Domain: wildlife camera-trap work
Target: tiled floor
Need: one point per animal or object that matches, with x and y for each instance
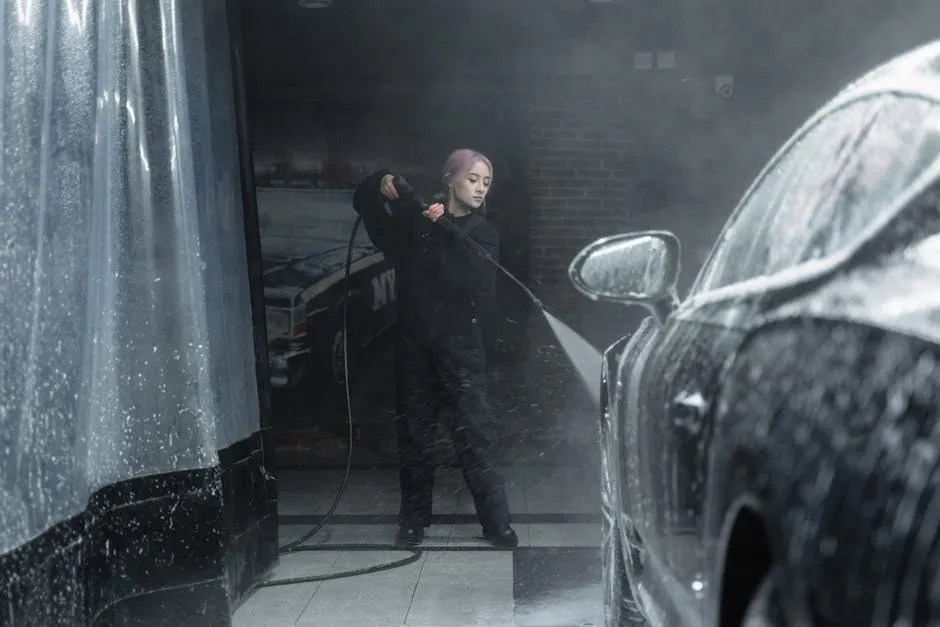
(551, 580)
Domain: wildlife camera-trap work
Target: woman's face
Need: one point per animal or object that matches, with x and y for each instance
(472, 187)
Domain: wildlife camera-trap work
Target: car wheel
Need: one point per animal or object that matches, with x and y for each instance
(765, 608)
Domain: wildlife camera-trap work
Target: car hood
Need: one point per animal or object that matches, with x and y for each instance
(291, 276)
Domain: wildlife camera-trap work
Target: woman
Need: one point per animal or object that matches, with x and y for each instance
(440, 358)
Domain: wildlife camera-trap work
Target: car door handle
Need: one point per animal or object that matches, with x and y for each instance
(689, 409)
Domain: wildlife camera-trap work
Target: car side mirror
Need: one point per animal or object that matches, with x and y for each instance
(639, 268)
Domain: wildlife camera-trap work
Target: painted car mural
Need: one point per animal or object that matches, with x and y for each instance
(304, 240)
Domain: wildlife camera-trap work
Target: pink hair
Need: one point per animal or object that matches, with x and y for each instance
(460, 161)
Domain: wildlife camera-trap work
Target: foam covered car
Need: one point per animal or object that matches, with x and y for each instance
(304, 241)
(771, 442)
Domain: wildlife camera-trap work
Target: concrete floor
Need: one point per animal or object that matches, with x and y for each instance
(552, 579)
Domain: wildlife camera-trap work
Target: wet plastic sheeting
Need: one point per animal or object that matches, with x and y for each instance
(125, 336)
(217, 174)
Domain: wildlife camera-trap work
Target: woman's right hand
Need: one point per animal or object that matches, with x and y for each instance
(387, 188)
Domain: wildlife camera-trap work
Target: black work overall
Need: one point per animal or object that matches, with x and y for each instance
(440, 356)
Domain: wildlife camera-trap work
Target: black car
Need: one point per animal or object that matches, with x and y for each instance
(304, 241)
(771, 443)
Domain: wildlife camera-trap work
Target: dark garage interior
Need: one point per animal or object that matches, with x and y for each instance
(552, 92)
(224, 433)
(586, 140)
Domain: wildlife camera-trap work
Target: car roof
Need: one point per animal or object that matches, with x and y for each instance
(916, 73)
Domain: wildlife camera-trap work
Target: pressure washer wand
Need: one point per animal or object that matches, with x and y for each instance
(407, 192)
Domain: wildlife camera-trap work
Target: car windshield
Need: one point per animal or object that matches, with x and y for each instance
(822, 193)
(892, 141)
(302, 223)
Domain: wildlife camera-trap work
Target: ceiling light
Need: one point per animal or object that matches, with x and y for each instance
(314, 4)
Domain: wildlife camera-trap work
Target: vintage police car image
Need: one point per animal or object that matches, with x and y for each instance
(305, 236)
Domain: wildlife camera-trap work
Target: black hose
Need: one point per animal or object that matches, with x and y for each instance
(411, 559)
(297, 545)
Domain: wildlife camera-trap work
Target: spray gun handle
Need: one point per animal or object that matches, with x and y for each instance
(407, 193)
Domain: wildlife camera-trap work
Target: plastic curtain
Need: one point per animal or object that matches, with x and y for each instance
(125, 322)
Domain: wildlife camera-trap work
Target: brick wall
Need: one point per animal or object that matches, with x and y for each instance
(580, 178)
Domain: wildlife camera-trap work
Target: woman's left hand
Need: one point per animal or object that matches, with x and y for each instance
(434, 212)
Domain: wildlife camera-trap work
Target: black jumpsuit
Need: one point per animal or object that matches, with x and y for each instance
(440, 356)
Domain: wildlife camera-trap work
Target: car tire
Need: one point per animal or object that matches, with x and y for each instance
(765, 608)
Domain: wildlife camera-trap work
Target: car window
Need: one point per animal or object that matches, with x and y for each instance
(308, 223)
(828, 187)
(896, 139)
(743, 251)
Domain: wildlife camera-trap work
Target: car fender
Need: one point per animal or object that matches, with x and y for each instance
(840, 462)
(624, 409)
(744, 473)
